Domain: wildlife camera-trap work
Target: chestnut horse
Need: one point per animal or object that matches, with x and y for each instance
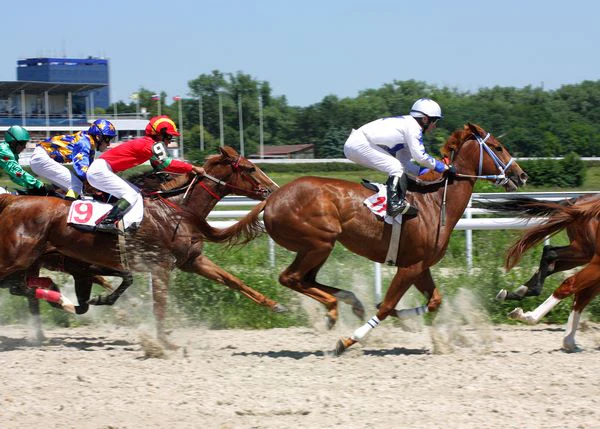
(34, 225)
(554, 259)
(308, 215)
(585, 285)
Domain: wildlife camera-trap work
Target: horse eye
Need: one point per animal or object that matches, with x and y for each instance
(498, 148)
(251, 169)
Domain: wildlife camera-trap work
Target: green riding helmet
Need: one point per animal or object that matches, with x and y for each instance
(16, 133)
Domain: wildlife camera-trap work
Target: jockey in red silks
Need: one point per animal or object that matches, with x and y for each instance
(153, 146)
(80, 148)
(390, 144)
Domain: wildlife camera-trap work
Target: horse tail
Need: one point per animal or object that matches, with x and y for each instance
(561, 217)
(242, 232)
(524, 206)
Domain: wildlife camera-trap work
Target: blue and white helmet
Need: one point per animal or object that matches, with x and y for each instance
(426, 107)
(102, 128)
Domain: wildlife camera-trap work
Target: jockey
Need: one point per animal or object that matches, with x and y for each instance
(15, 140)
(153, 146)
(389, 144)
(79, 148)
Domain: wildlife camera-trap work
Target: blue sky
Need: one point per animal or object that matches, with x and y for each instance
(309, 49)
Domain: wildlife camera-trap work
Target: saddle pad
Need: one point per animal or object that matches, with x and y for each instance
(87, 212)
(377, 203)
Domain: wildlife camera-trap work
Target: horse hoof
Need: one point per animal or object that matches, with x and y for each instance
(516, 314)
(574, 348)
(501, 295)
(339, 347)
(279, 308)
(521, 291)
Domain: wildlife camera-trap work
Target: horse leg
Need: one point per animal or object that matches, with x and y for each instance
(425, 284)
(587, 277)
(402, 280)
(554, 259)
(160, 286)
(580, 301)
(110, 299)
(205, 267)
(298, 277)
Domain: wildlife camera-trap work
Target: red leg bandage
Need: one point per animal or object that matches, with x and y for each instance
(48, 295)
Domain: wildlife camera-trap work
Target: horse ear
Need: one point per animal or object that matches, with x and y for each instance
(228, 152)
(475, 129)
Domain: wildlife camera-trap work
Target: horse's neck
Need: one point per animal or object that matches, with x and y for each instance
(457, 199)
(202, 198)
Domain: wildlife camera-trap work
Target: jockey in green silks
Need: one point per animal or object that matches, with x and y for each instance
(15, 139)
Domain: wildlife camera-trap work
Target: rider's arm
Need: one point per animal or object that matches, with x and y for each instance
(9, 163)
(162, 161)
(414, 140)
(81, 158)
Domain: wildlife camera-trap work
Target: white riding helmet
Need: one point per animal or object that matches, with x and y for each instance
(426, 107)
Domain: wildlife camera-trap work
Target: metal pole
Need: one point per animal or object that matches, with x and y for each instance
(70, 110)
(221, 136)
(201, 113)
(469, 240)
(23, 109)
(181, 127)
(260, 127)
(377, 282)
(137, 111)
(158, 105)
(92, 104)
(241, 124)
(115, 110)
(47, 111)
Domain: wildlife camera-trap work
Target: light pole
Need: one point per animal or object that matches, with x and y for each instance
(178, 99)
(241, 118)
(260, 127)
(221, 136)
(201, 113)
(136, 97)
(156, 97)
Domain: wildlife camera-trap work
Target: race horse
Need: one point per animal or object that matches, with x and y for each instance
(581, 221)
(554, 259)
(308, 216)
(33, 226)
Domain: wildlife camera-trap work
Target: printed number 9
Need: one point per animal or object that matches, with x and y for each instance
(83, 212)
(160, 151)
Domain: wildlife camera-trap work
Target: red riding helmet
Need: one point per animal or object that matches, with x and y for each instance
(161, 126)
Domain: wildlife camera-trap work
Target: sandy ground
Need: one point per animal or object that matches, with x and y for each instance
(408, 376)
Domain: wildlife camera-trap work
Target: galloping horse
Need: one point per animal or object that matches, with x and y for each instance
(310, 214)
(555, 259)
(33, 225)
(585, 285)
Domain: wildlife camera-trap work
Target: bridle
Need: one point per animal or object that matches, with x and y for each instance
(500, 178)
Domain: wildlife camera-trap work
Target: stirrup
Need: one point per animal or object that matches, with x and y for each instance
(110, 227)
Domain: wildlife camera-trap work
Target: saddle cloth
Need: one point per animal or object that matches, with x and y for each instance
(87, 212)
(377, 204)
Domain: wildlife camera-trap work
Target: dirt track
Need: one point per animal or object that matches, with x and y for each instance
(485, 377)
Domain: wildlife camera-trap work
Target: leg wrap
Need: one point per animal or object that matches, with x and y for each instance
(364, 329)
(48, 295)
(43, 282)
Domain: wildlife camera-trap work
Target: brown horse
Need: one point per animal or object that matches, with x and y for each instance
(308, 215)
(554, 259)
(585, 285)
(31, 226)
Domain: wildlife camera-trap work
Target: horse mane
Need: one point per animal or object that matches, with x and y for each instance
(458, 137)
(159, 181)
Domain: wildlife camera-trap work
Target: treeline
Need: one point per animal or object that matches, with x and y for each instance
(532, 122)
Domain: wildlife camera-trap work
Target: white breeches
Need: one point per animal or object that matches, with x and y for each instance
(42, 165)
(358, 149)
(101, 177)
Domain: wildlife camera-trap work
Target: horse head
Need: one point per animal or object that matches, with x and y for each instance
(239, 175)
(478, 154)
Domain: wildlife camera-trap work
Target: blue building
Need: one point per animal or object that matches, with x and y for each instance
(68, 70)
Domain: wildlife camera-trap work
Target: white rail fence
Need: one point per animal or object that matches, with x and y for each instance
(468, 223)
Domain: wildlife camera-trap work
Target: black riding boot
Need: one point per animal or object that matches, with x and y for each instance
(396, 203)
(109, 223)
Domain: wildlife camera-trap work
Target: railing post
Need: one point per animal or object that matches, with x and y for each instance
(469, 240)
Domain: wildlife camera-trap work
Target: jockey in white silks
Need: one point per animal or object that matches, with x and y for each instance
(391, 144)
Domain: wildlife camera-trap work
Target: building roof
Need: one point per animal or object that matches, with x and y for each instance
(8, 88)
(286, 149)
